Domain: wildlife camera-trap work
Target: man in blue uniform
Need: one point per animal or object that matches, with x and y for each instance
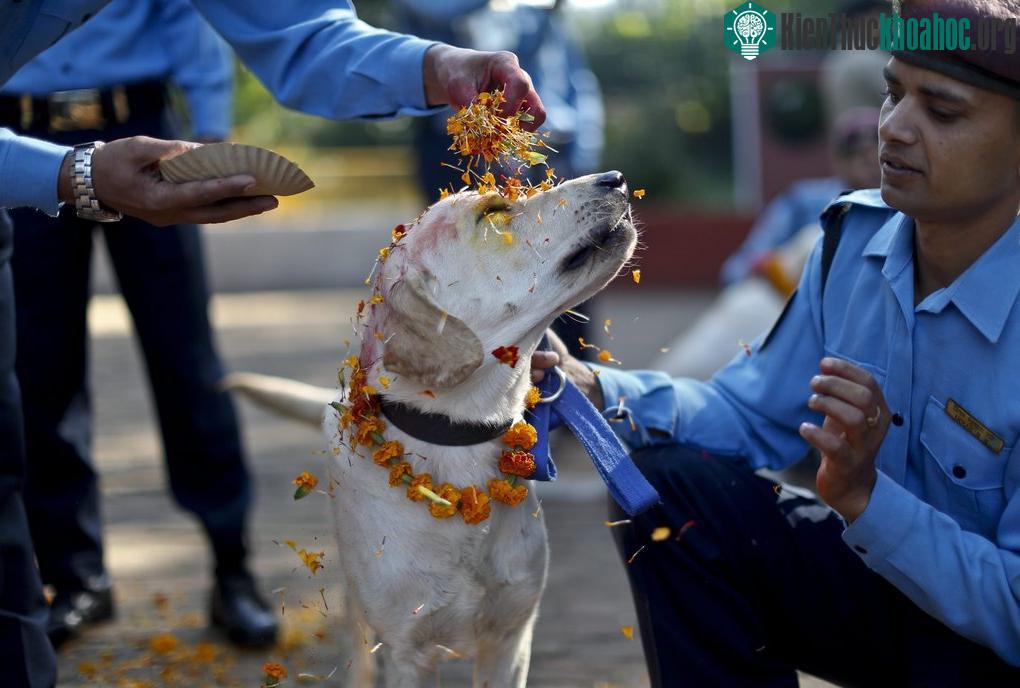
(109, 81)
(893, 359)
(315, 56)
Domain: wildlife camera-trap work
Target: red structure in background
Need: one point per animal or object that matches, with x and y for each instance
(685, 249)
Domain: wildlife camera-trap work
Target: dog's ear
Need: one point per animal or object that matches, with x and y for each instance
(426, 343)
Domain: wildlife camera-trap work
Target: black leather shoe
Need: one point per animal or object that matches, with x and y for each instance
(75, 608)
(241, 612)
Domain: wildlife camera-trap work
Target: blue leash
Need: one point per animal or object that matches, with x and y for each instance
(626, 484)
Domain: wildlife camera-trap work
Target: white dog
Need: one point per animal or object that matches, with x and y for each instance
(454, 290)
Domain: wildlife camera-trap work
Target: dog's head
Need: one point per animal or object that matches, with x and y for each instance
(479, 272)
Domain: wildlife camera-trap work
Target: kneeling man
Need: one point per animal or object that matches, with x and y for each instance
(895, 360)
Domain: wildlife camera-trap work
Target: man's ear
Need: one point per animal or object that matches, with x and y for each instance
(425, 343)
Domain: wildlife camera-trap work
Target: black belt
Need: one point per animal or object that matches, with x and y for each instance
(84, 108)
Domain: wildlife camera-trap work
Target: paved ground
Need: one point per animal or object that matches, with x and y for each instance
(162, 569)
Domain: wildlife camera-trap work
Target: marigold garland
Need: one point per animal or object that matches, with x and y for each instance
(521, 434)
(517, 462)
(360, 419)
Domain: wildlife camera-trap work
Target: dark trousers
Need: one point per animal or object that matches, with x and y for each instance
(25, 653)
(162, 278)
(760, 584)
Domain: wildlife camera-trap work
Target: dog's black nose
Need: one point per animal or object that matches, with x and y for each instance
(612, 180)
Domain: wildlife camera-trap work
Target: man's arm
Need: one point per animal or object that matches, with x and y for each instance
(750, 409)
(961, 578)
(203, 66)
(36, 174)
(30, 172)
(318, 57)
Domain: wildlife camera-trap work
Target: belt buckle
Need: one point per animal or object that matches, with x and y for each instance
(80, 108)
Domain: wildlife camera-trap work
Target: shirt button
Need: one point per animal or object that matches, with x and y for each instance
(959, 471)
(897, 419)
(860, 549)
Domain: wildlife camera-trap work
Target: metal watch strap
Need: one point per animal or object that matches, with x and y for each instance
(85, 201)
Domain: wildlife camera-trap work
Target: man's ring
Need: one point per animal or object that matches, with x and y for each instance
(873, 421)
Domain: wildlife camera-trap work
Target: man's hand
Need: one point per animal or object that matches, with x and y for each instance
(126, 178)
(856, 420)
(580, 374)
(456, 75)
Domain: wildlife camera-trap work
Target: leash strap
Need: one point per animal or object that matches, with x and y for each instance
(628, 487)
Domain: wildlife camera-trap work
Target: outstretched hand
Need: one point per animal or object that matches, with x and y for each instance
(126, 177)
(455, 76)
(856, 421)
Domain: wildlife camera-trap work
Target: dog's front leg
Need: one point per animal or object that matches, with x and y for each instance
(506, 662)
(359, 639)
(406, 669)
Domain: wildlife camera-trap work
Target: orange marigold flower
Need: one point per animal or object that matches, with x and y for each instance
(521, 434)
(502, 491)
(305, 482)
(313, 560)
(532, 398)
(306, 479)
(474, 505)
(519, 463)
(396, 472)
(413, 493)
(366, 428)
(389, 450)
(163, 643)
(507, 355)
(605, 356)
(274, 670)
(450, 494)
(363, 406)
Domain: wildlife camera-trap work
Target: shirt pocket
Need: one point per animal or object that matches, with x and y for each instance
(970, 476)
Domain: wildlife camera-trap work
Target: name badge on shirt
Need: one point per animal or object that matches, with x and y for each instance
(974, 426)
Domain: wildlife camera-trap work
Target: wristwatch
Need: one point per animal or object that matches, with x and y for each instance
(85, 201)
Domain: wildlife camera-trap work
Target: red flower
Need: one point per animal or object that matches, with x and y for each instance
(520, 463)
(507, 354)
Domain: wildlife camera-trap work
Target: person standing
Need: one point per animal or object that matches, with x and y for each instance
(110, 81)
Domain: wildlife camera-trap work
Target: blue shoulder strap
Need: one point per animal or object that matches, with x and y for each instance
(832, 222)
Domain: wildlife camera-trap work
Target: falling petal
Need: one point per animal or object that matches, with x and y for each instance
(660, 534)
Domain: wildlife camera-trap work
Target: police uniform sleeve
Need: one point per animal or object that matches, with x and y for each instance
(751, 409)
(963, 579)
(29, 169)
(318, 57)
(203, 67)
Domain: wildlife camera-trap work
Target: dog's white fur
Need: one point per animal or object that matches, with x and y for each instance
(454, 291)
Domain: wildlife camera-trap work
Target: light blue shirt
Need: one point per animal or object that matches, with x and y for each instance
(313, 55)
(943, 522)
(787, 214)
(131, 41)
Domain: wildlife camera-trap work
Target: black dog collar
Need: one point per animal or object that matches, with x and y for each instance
(436, 428)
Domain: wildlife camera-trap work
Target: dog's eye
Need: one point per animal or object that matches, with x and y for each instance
(493, 209)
